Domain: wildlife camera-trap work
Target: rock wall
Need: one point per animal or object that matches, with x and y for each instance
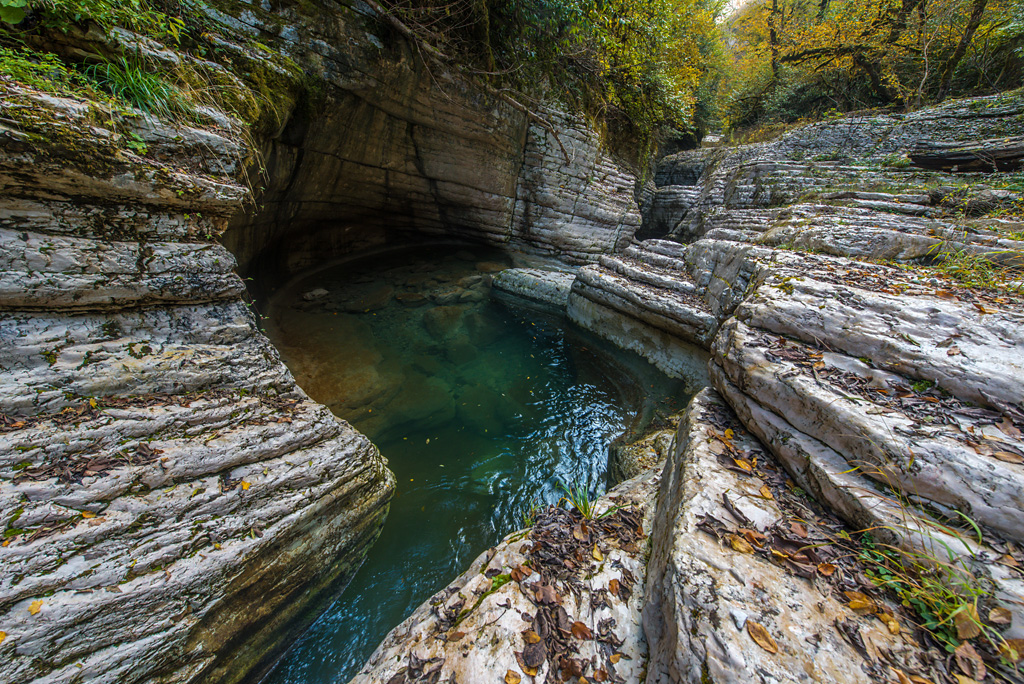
(895, 396)
(393, 149)
(173, 504)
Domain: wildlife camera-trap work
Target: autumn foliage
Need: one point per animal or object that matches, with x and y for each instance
(805, 58)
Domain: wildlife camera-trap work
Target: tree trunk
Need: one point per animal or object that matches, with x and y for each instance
(977, 12)
(773, 38)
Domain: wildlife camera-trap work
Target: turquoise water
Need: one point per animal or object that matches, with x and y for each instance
(481, 410)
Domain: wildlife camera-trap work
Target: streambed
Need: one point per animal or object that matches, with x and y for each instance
(482, 410)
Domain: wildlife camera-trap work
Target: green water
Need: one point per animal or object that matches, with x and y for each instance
(480, 409)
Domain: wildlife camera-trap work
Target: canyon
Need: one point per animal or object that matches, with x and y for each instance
(176, 507)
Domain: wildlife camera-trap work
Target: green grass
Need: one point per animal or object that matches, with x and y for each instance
(131, 82)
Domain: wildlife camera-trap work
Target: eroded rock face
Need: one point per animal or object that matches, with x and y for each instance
(713, 593)
(557, 601)
(399, 150)
(174, 506)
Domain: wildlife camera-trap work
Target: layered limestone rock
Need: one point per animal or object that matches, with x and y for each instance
(174, 505)
(734, 593)
(556, 602)
(396, 149)
(894, 396)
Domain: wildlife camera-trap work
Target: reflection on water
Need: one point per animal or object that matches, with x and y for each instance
(481, 412)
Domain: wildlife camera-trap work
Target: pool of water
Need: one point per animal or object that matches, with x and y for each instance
(481, 410)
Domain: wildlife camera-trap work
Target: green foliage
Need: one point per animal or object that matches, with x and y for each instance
(631, 65)
(579, 498)
(12, 11)
(793, 59)
(939, 588)
(140, 16)
(130, 81)
(41, 70)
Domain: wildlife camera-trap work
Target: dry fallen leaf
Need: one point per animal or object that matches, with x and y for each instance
(1012, 650)
(512, 677)
(890, 621)
(1009, 429)
(765, 492)
(596, 553)
(1000, 616)
(1008, 457)
(613, 587)
(581, 631)
(729, 434)
(860, 603)
(601, 675)
(455, 636)
(35, 607)
(969, 661)
(740, 544)
(960, 679)
(826, 569)
(546, 594)
(88, 514)
(761, 637)
(798, 529)
(967, 623)
(916, 679)
(901, 678)
(615, 658)
(753, 536)
(531, 637)
(3, 635)
(743, 464)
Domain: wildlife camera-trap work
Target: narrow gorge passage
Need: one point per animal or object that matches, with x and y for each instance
(482, 411)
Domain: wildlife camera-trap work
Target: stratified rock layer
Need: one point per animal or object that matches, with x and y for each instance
(174, 506)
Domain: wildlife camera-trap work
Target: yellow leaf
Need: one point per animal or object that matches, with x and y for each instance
(531, 637)
(765, 492)
(860, 602)
(1012, 650)
(35, 607)
(216, 545)
(512, 677)
(598, 556)
(615, 658)
(890, 621)
(740, 544)
(88, 514)
(761, 637)
(729, 434)
(826, 569)
(92, 402)
(901, 677)
(961, 679)
(743, 464)
(3, 635)
(245, 485)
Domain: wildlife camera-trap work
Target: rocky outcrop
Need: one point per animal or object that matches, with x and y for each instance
(174, 505)
(893, 396)
(397, 150)
(556, 602)
(739, 585)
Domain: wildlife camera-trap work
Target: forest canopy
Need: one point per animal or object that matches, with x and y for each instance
(637, 68)
(790, 59)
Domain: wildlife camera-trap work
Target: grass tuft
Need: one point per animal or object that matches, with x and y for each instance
(130, 81)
